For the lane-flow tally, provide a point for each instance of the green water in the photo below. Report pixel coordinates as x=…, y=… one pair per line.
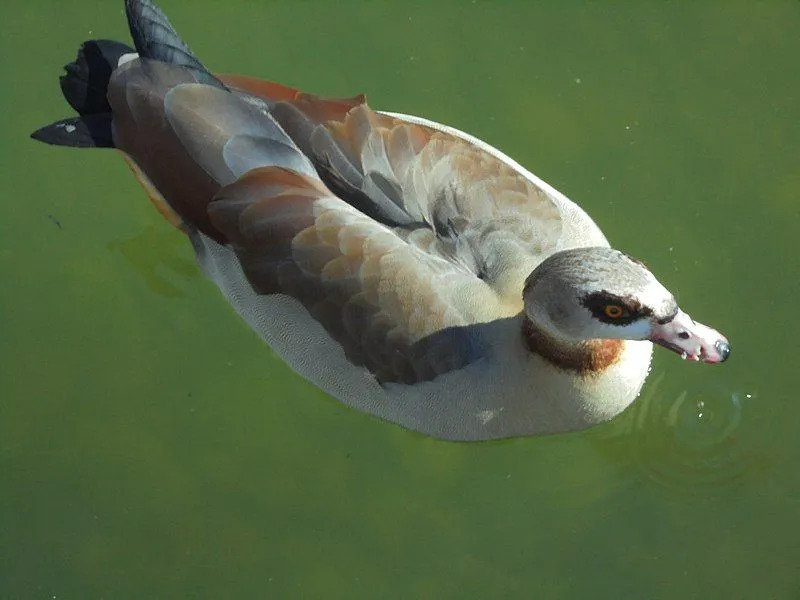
x=152, y=446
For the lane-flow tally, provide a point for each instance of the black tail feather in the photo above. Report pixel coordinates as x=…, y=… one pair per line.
x=156, y=38
x=87, y=131
x=85, y=87
x=85, y=84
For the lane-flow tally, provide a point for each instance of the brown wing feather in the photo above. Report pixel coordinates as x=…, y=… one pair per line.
x=141, y=130
x=437, y=191
x=460, y=202
x=419, y=206
x=394, y=309
x=268, y=90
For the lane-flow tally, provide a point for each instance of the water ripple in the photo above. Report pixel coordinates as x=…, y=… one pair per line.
x=694, y=441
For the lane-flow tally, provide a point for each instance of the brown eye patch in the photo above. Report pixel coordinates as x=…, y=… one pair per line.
x=614, y=310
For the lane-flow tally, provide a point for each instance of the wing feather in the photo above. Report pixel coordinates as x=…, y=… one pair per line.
x=439, y=192
x=387, y=303
x=397, y=236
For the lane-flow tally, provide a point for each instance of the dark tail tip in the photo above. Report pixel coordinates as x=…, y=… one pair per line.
x=87, y=131
x=156, y=38
x=85, y=84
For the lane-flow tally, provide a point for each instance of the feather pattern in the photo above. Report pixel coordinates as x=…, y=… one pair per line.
x=397, y=237
x=155, y=38
x=394, y=309
x=437, y=191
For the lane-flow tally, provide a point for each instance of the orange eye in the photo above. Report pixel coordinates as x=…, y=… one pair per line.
x=614, y=311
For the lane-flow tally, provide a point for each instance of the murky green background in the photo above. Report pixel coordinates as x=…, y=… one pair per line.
x=152, y=446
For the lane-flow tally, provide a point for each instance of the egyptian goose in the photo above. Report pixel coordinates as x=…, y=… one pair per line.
x=403, y=266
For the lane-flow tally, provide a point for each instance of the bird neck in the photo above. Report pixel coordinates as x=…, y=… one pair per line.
x=585, y=357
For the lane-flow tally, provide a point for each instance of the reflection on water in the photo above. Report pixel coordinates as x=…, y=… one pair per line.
x=158, y=256
x=691, y=441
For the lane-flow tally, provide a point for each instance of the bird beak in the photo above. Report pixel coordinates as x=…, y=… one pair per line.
x=691, y=340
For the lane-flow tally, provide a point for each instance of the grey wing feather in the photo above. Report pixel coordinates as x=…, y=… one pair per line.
x=397, y=311
x=449, y=195
x=154, y=37
x=227, y=136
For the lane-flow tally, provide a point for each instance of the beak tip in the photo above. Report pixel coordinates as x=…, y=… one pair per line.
x=723, y=348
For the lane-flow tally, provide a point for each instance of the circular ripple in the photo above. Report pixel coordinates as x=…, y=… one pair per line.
x=694, y=441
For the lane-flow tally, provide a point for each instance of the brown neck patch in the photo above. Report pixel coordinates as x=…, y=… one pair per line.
x=589, y=357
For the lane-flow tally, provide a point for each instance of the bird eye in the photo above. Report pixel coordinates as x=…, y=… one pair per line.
x=613, y=309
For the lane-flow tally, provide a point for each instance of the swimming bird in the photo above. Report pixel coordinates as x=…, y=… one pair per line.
x=404, y=267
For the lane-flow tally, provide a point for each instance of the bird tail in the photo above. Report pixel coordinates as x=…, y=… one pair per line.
x=85, y=83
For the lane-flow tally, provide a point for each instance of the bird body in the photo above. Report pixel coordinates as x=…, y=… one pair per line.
x=405, y=267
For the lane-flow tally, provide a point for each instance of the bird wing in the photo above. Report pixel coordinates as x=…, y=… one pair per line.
x=441, y=192
x=403, y=313
x=399, y=238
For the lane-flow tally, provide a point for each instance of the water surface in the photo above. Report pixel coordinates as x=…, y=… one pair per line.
x=152, y=446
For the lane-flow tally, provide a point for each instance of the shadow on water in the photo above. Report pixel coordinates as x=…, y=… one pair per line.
x=157, y=256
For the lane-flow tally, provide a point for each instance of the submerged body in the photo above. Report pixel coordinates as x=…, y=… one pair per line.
x=404, y=267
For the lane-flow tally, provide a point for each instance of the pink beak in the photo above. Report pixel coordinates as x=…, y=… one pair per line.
x=691, y=340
